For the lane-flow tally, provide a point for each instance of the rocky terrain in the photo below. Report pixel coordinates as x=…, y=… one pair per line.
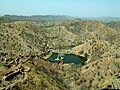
x=24, y=43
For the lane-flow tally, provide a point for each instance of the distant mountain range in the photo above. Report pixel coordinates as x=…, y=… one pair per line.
x=104, y=19
x=49, y=18
x=38, y=18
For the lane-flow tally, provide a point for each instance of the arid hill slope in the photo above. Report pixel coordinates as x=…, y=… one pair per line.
x=24, y=43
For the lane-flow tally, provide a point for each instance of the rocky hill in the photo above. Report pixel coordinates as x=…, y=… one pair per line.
x=23, y=44
x=114, y=24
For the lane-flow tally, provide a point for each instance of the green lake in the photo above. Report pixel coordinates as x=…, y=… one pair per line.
x=67, y=58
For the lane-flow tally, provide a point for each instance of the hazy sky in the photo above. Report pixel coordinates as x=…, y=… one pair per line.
x=82, y=8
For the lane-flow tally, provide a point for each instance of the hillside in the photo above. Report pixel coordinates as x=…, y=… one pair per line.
x=23, y=44
x=114, y=24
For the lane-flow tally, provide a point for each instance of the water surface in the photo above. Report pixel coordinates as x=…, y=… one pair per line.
x=67, y=58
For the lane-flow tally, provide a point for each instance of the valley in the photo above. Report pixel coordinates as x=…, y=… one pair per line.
x=59, y=53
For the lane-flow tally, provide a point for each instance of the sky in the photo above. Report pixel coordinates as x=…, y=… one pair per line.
x=79, y=8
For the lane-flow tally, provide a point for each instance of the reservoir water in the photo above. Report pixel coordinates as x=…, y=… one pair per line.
x=67, y=58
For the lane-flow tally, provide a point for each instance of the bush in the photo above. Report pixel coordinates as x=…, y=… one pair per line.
x=1, y=64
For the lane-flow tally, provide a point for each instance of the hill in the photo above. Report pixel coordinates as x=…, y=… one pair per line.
x=36, y=18
x=103, y=19
x=24, y=44
x=114, y=24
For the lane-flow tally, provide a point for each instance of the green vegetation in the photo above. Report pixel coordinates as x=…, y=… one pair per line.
x=1, y=64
